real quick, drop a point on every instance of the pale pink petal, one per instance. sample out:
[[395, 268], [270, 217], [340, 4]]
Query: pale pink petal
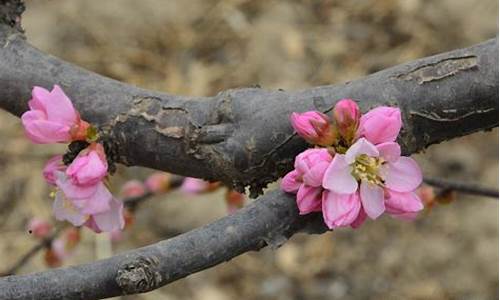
[[59, 107], [98, 202], [111, 219], [403, 205], [39, 99], [290, 182], [42, 131], [192, 185], [338, 177], [65, 210], [403, 175], [314, 177], [340, 209], [72, 190], [372, 197], [381, 124], [308, 199], [362, 146], [54, 164], [389, 151], [360, 219], [87, 169]]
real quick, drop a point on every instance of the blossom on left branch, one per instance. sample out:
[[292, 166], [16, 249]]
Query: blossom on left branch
[[81, 195]]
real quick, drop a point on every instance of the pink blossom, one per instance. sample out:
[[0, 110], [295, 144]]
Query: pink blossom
[[40, 228], [306, 179], [158, 182], [89, 168], [373, 172], [381, 124], [314, 127], [403, 205], [92, 205], [52, 118], [347, 115], [54, 164], [133, 188], [193, 185]]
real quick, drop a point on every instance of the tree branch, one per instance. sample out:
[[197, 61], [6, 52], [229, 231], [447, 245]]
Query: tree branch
[[242, 136], [463, 187]]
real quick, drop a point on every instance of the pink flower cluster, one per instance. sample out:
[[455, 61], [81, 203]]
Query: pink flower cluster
[[81, 196], [361, 171]]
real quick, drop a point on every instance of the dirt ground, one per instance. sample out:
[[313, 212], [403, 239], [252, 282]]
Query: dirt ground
[[203, 47]]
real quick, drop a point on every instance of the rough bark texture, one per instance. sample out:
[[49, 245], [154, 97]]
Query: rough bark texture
[[243, 136], [271, 220]]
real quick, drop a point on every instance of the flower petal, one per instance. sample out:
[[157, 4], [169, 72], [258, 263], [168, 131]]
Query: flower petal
[[59, 107], [65, 210], [290, 182], [308, 199], [403, 175], [314, 177], [111, 219], [99, 202], [389, 151], [338, 177], [403, 205], [362, 146], [381, 124], [360, 219], [372, 197], [340, 210]]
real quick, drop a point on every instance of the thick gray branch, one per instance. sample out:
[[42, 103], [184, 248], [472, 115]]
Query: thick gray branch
[[271, 220], [243, 136]]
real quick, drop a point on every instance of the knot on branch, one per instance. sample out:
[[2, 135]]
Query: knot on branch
[[10, 13], [139, 276]]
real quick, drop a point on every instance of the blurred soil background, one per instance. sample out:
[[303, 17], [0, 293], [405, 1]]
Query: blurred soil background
[[203, 47]]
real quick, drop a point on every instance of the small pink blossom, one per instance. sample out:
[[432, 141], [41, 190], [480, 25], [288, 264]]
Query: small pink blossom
[[193, 185], [89, 168], [54, 164], [376, 173], [90, 205], [347, 115], [158, 182], [381, 124], [133, 188], [306, 179], [40, 228], [314, 127], [52, 118]]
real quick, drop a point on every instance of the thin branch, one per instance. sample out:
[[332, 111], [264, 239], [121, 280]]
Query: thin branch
[[132, 203], [463, 187]]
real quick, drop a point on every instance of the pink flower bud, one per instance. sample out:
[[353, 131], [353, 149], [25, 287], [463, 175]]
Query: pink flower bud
[[52, 117], [158, 182], [312, 164], [133, 188], [54, 164], [314, 127], [90, 168], [347, 115], [381, 124], [194, 185], [39, 228]]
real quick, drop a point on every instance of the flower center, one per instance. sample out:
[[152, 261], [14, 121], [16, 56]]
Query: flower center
[[367, 168]]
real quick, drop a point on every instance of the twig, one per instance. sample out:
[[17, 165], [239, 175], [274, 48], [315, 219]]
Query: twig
[[131, 203], [34, 250], [463, 187]]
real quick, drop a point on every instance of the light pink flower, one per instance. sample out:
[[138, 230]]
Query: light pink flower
[[306, 179], [54, 164], [89, 168], [40, 228], [193, 185], [370, 171], [133, 188], [402, 205], [52, 118], [312, 164], [347, 114], [381, 124], [314, 127], [108, 221], [158, 182]]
